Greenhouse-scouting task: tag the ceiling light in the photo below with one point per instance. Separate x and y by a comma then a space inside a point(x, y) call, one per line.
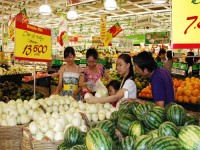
point(110, 5)
point(45, 9)
point(72, 14)
point(159, 1)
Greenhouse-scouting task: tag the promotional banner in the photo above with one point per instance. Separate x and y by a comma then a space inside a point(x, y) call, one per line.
point(32, 43)
point(157, 38)
point(103, 28)
point(186, 24)
point(20, 17)
point(137, 39)
point(112, 32)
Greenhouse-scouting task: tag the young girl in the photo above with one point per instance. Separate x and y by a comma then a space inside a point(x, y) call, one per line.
point(113, 87)
point(124, 68)
point(69, 76)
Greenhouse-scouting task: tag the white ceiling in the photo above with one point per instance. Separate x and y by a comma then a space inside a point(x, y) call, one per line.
point(89, 11)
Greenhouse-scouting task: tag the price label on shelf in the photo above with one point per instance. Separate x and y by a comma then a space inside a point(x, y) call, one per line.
point(32, 43)
point(178, 71)
point(186, 24)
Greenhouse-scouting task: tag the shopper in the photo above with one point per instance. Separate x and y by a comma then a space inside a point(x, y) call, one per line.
point(69, 76)
point(190, 61)
point(161, 56)
point(92, 72)
point(168, 64)
point(113, 88)
point(124, 68)
point(160, 78)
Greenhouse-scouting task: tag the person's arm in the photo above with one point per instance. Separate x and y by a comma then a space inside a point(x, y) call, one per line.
point(109, 99)
point(59, 87)
point(76, 92)
point(160, 103)
point(107, 76)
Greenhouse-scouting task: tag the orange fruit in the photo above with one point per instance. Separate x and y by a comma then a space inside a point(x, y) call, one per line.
point(179, 92)
point(195, 92)
point(180, 98)
point(186, 99)
point(193, 99)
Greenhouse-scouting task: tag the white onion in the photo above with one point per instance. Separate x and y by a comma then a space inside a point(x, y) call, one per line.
point(11, 121)
point(108, 113)
point(87, 95)
point(33, 127)
point(94, 117)
point(21, 110)
point(81, 105)
point(113, 109)
point(35, 105)
point(67, 101)
point(25, 118)
point(107, 106)
point(61, 108)
point(58, 136)
point(89, 116)
point(49, 102)
point(13, 113)
point(27, 106)
point(52, 121)
point(49, 109)
point(66, 107)
point(55, 108)
point(92, 108)
point(19, 101)
point(56, 103)
point(83, 128)
point(55, 114)
point(4, 123)
point(58, 127)
point(19, 120)
point(39, 136)
point(50, 134)
point(102, 116)
point(78, 115)
point(76, 122)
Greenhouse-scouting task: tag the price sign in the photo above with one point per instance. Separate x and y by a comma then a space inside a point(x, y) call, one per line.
point(186, 24)
point(32, 43)
point(178, 71)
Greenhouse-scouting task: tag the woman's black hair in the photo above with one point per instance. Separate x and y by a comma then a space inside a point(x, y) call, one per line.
point(115, 84)
point(190, 60)
point(69, 50)
point(92, 52)
point(127, 59)
point(145, 60)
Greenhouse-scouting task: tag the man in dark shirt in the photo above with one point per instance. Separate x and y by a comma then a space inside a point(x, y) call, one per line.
point(160, 78)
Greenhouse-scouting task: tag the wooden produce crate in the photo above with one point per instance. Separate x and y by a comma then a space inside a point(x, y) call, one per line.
point(11, 137)
point(28, 143)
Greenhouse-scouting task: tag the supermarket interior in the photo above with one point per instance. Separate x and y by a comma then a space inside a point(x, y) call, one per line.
point(46, 104)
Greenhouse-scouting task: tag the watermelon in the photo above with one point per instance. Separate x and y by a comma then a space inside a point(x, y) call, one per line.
point(123, 106)
point(78, 147)
point(153, 119)
point(168, 106)
point(107, 126)
point(164, 143)
point(73, 136)
point(153, 133)
point(124, 111)
point(114, 116)
point(136, 129)
point(127, 143)
point(191, 120)
point(124, 122)
point(133, 107)
point(97, 139)
point(141, 111)
point(160, 110)
point(141, 142)
point(63, 146)
point(151, 104)
point(176, 114)
point(168, 129)
point(189, 137)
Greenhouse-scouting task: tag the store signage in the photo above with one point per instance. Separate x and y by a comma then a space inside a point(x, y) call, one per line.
point(147, 21)
point(157, 38)
point(32, 43)
point(186, 24)
point(73, 38)
point(111, 33)
point(179, 68)
point(137, 39)
point(103, 28)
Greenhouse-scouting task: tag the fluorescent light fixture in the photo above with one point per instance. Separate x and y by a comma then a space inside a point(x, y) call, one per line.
point(72, 14)
point(159, 1)
point(110, 5)
point(45, 9)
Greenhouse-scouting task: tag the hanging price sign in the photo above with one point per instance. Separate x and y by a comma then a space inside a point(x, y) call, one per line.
point(186, 24)
point(32, 43)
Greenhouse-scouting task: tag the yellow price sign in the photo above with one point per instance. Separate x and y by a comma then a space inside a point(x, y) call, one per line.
point(32, 43)
point(186, 24)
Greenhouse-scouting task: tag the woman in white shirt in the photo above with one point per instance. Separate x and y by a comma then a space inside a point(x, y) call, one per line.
point(124, 68)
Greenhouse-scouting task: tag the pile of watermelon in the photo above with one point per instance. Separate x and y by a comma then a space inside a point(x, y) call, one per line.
point(139, 127)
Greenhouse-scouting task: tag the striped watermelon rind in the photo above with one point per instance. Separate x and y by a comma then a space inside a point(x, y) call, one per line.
point(141, 111)
point(189, 137)
point(78, 147)
point(168, 129)
point(153, 133)
point(136, 129)
point(164, 143)
point(107, 126)
point(124, 123)
point(176, 114)
point(191, 120)
point(153, 119)
point(133, 107)
point(127, 143)
point(63, 146)
point(141, 142)
point(73, 136)
point(97, 139)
